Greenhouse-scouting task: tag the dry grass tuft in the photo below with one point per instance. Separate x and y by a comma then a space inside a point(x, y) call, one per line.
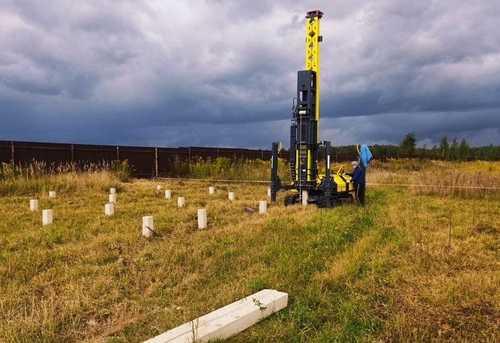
point(456, 179)
point(40, 177)
point(446, 182)
point(440, 291)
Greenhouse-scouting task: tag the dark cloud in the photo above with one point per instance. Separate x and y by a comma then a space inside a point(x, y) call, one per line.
point(223, 73)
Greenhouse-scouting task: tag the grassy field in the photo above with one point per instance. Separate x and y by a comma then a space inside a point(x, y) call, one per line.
point(415, 264)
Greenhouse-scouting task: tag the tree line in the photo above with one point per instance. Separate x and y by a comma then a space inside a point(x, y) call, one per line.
point(454, 150)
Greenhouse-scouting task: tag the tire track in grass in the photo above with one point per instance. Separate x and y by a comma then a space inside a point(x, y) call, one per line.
point(296, 256)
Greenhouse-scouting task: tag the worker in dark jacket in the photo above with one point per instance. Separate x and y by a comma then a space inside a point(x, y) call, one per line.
point(359, 172)
point(359, 178)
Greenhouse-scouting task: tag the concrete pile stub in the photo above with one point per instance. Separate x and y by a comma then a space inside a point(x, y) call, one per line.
point(109, 209)
point(168, 194)
point(33, 205)
point(262, 207)
point(148, 226)
point(202, 218)
point(47, 217)
point(305, 198)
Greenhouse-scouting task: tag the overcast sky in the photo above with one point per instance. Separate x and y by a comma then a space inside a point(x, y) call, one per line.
point(223, 73)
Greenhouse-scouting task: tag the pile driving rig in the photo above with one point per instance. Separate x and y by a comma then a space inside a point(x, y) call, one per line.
point(325, 190)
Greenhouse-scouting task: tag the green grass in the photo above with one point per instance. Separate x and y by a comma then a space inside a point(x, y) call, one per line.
point(383, 272)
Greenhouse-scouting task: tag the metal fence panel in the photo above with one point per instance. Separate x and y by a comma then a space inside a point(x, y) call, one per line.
point(143, 161)
point(5, 153)
point(52, 154)
point(96, 154)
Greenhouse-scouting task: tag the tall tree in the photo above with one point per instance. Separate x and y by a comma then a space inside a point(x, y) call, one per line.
point(408, 145)
point(463, 150)
point(454, 149)
point(444, 148)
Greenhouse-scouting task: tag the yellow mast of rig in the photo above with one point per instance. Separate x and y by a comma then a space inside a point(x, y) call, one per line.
point(313, 38)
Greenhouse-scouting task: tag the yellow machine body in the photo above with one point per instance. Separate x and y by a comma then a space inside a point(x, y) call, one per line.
point(344, 181)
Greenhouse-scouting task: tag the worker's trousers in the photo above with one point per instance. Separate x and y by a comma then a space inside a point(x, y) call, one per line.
point(360, 192)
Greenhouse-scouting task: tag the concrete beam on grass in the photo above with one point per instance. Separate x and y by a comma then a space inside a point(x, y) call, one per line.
point(228, 320)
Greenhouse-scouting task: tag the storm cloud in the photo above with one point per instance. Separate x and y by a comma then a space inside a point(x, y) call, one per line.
point(223, 73)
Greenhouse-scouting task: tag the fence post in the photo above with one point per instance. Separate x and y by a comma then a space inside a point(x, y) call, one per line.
point(189, 159)
point(72, 153)
point(156, 162)
point(12, 153)
point(118, 153)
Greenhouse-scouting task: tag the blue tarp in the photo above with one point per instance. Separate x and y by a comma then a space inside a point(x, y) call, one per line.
point(365, 155)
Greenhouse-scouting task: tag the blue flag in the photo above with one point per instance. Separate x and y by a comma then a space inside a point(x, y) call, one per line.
point(365, 155)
